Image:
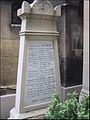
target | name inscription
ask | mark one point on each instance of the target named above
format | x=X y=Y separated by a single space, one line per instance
x=40 y=75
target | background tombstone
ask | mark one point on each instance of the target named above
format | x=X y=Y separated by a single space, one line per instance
x=70 y=46
x=38 y=68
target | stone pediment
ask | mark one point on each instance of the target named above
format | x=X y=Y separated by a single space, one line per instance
x=42 y=7
x=39 y=7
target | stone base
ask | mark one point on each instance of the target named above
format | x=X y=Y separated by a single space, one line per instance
x=37 y=114
x=66 y=90
x=83 y=94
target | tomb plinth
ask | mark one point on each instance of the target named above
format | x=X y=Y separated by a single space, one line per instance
x=38 y=76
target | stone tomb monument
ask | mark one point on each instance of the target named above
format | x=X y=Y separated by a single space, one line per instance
x=38 y=68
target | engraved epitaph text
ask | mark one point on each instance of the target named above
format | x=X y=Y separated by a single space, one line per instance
x=40 y=84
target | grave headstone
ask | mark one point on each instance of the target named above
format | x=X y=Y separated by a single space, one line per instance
x=38 y=77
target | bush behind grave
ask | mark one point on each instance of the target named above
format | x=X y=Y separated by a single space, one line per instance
x=70 y=109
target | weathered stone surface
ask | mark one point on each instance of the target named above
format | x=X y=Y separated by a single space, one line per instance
x=9 y=40
x=9 y=61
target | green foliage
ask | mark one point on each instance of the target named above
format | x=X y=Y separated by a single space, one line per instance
x=71 y=109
